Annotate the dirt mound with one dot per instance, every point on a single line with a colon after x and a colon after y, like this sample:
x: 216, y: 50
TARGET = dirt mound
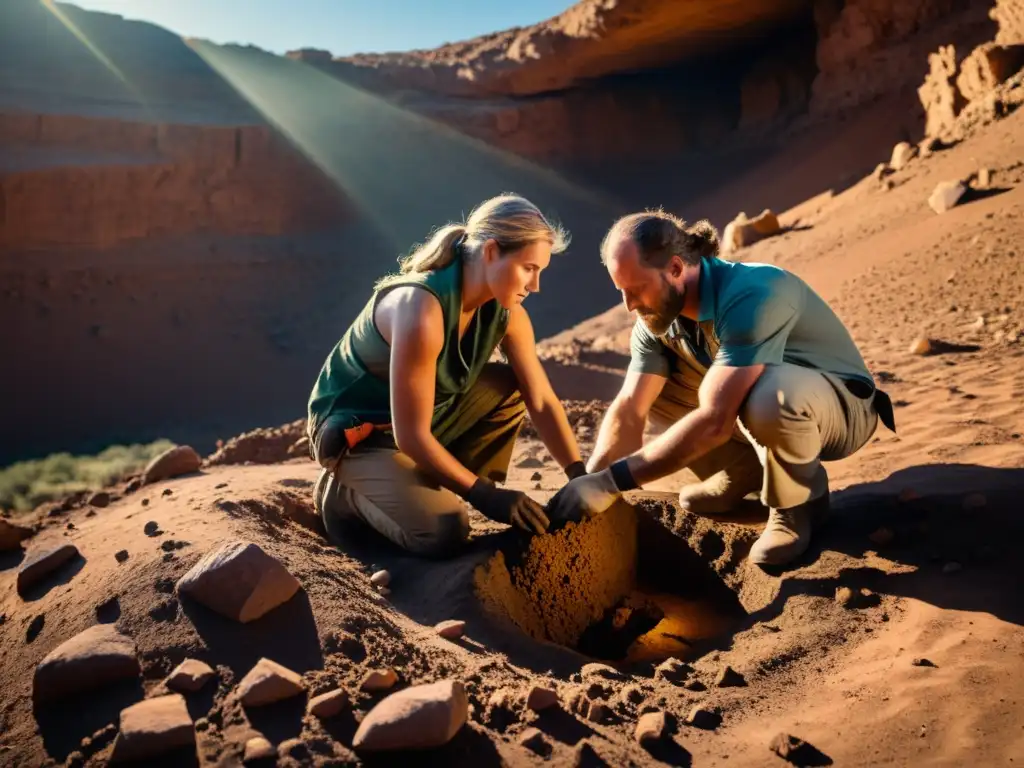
x: 269, y: 445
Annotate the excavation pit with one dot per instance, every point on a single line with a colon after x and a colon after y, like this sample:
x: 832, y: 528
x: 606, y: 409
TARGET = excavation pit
x: 619, y: 587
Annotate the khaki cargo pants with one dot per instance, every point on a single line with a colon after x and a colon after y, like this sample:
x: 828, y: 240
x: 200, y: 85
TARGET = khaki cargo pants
x: 382, y: 487
x: 794, y: 419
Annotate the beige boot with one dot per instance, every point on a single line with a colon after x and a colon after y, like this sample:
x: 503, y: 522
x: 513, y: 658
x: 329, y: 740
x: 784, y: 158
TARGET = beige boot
x: 788, y: 532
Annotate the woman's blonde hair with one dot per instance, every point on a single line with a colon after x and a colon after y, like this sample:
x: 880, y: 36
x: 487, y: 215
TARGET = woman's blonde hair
x: 510, y: 220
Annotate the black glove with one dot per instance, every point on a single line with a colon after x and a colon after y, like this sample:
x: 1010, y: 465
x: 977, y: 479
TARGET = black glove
x: 576, y: 469
x: 507, y: 506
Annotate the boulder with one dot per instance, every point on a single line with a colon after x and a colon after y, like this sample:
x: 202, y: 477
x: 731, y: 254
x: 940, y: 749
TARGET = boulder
x: 40, y: 564
x: 98, y: 656
x: 239, y: 580
x: 189, y: 676
x: 268, y: 682
x: 902, y: 154
x: 328, y: 704
x: 153, y: 727
x: 539, y: 698
x: 176, y: 461
x: 12, y: 534
x: 99, y: 499
x: 946, y: 195
x: 742, y: 231
x: 420, y: 717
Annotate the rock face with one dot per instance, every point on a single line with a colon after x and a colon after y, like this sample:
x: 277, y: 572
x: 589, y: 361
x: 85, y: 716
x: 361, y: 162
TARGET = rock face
x: 268, y: 682
x: 179, y: 460
x: 239, y: 580
x: 40, y: 564
x: 93, y: 658
x: 419, y: 717
x: 153, y: 727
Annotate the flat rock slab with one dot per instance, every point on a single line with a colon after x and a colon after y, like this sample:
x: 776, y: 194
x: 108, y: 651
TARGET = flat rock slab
x: 12, y: 534
x: 153, y: 727
x: 268, y: 682
x: 172, y: 463
x: 98, y: 656
x: 41, y: 564
x: 420, y: 717
x: 189, y: 676
x: 239, y: 580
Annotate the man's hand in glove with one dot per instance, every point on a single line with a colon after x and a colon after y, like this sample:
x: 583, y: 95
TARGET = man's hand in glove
x: 591, y: 494
x: 507, y: 506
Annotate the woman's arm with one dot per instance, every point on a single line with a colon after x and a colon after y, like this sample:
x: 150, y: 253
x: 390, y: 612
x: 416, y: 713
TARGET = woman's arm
x: 545, y: 408
x: 415, y: 328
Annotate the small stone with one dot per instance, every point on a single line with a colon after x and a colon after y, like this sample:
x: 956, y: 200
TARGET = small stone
x: 152, y: 528
x: 922, y: 662
x: 974, y: 501
x: 952, y: 567
x: 703, y: 718
x: 11, y: 535
x: 844, y: 596
x: 153, y: 727
x: 329, y: 704
x: 451, y: 629
x: 600, y: 670
x: 379, y: 680
x: 189, y: 676
x: 921, y: 346
x: 730, y: 678
x: 880, y: 172
x: 650, y: 728
x: 35, y: 627
x: 796, y: 751
x: 41, y: 564
x: 70, y: 526
x: 882, y: 536
x: 984, y: 180
x: 536, y: 477
x: 534, y: 741
x: 171, y: 463
x: 268, y: 682
x: 99, y: 499
x: 419, y: 717
x: 673, y: 670
x: 380, y: 579
x: 946, y: 195
x: 167, y: 492
x: 902, y: 154
x: 239, y: 580
x: 144, y: 502
x: 599, y: 712
x: 540, y: 698
x: 258, y: 748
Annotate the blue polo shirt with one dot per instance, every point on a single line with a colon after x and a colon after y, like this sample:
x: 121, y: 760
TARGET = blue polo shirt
x: 752, y: 314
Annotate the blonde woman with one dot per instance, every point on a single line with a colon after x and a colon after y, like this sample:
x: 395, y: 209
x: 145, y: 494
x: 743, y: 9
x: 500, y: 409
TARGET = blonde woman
x: 408, y: 417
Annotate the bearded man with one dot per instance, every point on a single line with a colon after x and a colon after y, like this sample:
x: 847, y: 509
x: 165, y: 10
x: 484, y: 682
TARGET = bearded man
x: 751, y: 377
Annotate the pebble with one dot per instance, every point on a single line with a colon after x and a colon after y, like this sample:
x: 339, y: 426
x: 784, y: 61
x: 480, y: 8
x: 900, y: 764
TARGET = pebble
x: 99, y: 499
x: 922, y: 662
x: 599, y: 712
x: 536, y: 477
x: 329, y: 704
x: 380, y: 579
x: 379, y: 680
x: 920, y: 346
x: 419, y: 717
x: 35, y: 627
x: 650, y: 728
x: 946, y: 195
x: 794, y: 750
x: 702, y: 718
x: 268, y: 682
x: 239, y: 580
x: 730, y: 678
x: 189, y: 676
x: 41, y: 564
x: 152, y: 528
x: 534, y: 740
x: 540, y: 698
x: 258, y: 748
x: 844, y: 596
x: 153, y: 727
x: 451, y: 629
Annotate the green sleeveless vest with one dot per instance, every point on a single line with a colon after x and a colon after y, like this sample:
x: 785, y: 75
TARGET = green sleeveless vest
x: 353, y: 384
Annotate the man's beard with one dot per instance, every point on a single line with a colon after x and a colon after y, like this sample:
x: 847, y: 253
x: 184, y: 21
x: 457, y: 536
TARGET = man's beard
x: 658, y: 319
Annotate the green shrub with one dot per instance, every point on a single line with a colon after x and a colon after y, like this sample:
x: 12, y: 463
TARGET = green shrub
x: 29, y: 483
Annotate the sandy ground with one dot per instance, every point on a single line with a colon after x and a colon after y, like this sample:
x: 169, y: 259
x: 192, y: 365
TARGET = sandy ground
x: 940, y: 585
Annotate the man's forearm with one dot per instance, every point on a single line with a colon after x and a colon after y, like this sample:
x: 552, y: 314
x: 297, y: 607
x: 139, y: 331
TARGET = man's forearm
x: 620, y: 435
x: 688, y: 439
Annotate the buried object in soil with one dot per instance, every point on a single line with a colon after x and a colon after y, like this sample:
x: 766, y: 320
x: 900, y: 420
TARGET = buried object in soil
x: 617, y: 586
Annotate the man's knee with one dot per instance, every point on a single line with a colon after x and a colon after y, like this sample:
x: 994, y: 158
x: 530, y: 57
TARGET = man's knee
x: 446, y: 534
